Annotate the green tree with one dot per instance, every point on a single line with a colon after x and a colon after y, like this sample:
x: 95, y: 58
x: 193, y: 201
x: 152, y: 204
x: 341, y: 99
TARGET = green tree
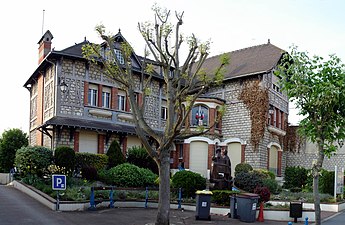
x: 317, y: 86
x: 139, y: 157
x: 10, y: 141
x: 183, y: 81
x: 115, y: 155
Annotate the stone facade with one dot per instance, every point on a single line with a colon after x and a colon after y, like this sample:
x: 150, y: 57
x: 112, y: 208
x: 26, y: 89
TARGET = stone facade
x: 82, y: 106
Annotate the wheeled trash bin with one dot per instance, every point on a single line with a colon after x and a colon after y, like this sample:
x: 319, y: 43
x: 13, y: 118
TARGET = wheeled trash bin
x: 246, y: 207
x: 203, y: 205
x: 233, y: 207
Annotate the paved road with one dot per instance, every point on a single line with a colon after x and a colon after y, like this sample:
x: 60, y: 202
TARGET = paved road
x: 16, y: 208
x: 337, y: 219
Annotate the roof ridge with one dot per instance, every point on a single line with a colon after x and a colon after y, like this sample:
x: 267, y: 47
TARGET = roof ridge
x: 246, y: 48
x: 254, y: 46
x: 75, y: 44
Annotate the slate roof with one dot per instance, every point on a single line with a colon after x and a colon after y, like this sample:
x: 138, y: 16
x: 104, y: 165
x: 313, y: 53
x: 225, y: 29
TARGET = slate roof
x: 75, y: 50
x: 247, y: 61
x: 89, y: 124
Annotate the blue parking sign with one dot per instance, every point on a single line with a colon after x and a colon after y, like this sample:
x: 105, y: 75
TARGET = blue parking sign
x: 59, y: 182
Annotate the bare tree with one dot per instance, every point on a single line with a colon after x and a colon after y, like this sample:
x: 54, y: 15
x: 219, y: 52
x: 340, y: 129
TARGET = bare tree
x: 184, y: 82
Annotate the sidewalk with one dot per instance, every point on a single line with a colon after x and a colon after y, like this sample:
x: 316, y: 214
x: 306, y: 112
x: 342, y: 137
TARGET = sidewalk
x: 141, y: 216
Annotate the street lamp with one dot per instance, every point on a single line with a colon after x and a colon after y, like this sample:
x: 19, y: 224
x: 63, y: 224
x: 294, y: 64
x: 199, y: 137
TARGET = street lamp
x: 63, y: 86
x: 271, y: 110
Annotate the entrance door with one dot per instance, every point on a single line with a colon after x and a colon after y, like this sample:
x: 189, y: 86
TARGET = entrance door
x: 234, y: 153
x: 198, y: 157
x: 273, y: 159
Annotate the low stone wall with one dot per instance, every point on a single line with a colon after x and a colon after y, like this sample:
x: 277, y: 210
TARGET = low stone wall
x: 269, y: 214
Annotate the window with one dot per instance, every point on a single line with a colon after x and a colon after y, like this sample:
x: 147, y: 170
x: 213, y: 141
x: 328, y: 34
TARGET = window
x: 218, y: 123
x: 119, y: 56
x: 164, y: 110
x: 92, y: 95
x: 199, y: 116
x: 106, y: 96
x: 180, y: 151
x: 121, y: 101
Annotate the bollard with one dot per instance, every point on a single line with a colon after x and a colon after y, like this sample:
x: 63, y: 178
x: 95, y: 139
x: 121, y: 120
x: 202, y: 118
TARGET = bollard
x: 111, y: 198
x: 146, y: 196
x: 92, y: 199
x: 179, y: 198
x: 306, y: 221
x: 289, y: 223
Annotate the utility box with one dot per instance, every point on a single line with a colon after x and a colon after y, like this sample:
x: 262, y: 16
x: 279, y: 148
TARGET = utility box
x: 296, y: 210
x: 246, y: 207
x: 203, y: 205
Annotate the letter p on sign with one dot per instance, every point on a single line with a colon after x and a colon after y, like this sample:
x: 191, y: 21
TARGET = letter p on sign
x: 59, y: 182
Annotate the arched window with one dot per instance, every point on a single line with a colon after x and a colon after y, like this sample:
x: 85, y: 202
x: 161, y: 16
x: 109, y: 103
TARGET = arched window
x: 199, y: 116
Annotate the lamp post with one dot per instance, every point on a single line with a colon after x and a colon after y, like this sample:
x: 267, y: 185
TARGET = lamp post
x: 63, y: 86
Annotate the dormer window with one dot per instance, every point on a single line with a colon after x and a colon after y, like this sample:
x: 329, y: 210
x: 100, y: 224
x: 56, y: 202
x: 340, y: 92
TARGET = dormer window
x: 119, y: 56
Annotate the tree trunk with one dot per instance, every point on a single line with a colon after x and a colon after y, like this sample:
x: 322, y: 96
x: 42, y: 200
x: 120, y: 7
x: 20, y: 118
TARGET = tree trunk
x: 316, y: 199
x: 316, y: 173
x: 164, y: 191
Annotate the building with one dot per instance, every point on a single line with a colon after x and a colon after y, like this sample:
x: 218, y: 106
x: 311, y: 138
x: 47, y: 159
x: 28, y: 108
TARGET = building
x: 72, y: 103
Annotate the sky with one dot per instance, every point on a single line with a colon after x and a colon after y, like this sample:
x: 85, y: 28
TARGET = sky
x: 316, y: 26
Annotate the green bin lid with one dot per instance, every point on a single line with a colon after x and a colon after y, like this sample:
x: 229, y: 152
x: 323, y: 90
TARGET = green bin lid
x: 204, y: 192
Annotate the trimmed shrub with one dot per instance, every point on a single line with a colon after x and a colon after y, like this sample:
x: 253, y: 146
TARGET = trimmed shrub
x: 10, y: 141
x: 84, y: 159
x: 222, y: 197
x: 268, y: 174
x: 326, y: 182
x: 139, y: 157
x: 243, y: 167
x: 129, y: 175
x: 33, y: 160
x: 272, y: 185
x: 115, y: 155
x: 105, y: 176
x: 295, y: 176
x: 89, y: 173
x: 263, y: 192
x: 248, y: 181
x: 189, y: 181
x: 65, y: 157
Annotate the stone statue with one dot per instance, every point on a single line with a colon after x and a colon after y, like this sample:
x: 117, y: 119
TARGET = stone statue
x: 221, y: 170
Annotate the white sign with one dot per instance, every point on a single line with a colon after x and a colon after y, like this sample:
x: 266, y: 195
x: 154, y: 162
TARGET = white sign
x: 59, y: 182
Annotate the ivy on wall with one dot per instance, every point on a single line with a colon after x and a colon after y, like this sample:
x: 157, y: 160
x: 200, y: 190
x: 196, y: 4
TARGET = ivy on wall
x: 292, y: 140
x: 255, y: 97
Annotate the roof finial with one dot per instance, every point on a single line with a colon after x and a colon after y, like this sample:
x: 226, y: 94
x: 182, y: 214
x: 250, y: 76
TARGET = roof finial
x: 85, y: 39
x: 119, y: 30
x: 269, y: 41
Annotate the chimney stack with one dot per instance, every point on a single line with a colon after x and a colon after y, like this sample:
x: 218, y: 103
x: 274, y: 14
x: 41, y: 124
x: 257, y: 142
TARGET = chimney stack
x: 45, y: 45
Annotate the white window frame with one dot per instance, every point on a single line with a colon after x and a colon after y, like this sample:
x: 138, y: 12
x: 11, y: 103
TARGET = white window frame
x: 106, y: 97
x: 164, y: 112
x: 119, y: 56
x: 93, y: 95
x: 121, y: 100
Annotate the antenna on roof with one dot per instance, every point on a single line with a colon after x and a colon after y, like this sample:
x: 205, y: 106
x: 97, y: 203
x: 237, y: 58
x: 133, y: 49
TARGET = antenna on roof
x: 43, y: 21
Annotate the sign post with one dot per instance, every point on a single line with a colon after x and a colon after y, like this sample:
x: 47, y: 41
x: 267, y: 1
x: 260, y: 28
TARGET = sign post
x: 58, y: 183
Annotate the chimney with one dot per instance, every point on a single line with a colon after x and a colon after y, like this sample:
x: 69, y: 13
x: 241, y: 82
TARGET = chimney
x: 45, y: 45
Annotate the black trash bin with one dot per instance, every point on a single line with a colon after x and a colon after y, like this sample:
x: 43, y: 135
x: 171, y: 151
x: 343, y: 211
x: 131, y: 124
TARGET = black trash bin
x: 203, y: 205
x: 296, y: 210
x: 246, y: 207
x: 233, y: 207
